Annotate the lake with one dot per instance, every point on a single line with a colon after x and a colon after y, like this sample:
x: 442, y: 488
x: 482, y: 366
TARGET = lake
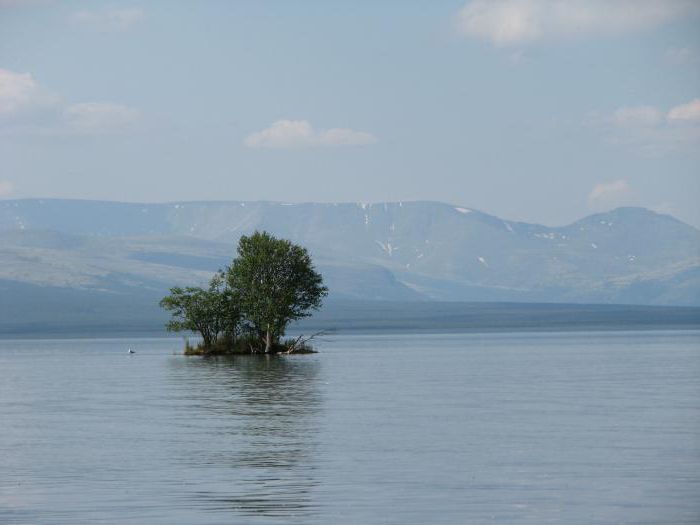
x: 524, y: 428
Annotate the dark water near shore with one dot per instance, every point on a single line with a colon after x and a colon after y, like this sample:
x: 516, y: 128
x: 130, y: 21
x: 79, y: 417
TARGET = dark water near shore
x: 428, y: 428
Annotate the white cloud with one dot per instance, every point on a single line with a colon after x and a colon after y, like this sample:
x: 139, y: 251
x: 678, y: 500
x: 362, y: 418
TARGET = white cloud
x: 6, y: 188
x: 686, y: 112
x: 110, y: 19
x: 639, y: 116
x: 290, y: 134
x: 16, y: 91
x: 608, y: 194
x: 27, y: 108
x: 653, y: 131
x: 98, y: 117
x: 344, y: 137
x: 19, y: 93
x: 282, y: 134
x: 512, y: 22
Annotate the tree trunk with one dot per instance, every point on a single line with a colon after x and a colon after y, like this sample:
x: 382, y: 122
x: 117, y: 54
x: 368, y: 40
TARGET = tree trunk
x: 268, y: 340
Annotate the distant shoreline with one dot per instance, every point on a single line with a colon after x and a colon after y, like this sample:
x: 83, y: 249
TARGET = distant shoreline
x: 386, y: 317
x: 127, y: 335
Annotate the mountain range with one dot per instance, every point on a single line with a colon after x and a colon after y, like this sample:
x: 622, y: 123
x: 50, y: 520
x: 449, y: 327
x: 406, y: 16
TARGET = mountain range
x: 129, y: 254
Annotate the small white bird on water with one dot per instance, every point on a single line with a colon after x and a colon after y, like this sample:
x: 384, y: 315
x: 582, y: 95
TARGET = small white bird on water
x: 131, y: 351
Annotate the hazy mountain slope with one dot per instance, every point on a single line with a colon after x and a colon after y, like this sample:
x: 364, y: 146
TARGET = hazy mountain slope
x: 411, y: 250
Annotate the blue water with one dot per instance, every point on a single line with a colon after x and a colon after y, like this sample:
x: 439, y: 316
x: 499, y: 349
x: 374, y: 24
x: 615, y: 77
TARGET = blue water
x: 499, y: 428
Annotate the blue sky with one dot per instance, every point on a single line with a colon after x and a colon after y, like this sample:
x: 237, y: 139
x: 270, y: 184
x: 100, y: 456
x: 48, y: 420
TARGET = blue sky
x: 536, y: 110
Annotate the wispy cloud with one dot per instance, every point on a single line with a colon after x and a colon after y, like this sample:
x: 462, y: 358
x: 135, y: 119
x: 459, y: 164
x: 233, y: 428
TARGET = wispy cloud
x: 681, y: 56
x: 25, y: 106
x: 99, y: 117
x: 665, y: 207
x: 514, y: 22
x: 654, y: 131
x: 607, y: 195
x: 291, y: 134
x: 107, y: 20
x: 638, y: 116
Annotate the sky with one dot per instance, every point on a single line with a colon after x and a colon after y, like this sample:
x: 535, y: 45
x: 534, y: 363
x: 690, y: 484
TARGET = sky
x: 534, y: 110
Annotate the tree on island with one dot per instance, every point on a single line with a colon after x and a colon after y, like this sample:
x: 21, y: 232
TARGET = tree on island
x: 275, y: 283
x: 249, y: 305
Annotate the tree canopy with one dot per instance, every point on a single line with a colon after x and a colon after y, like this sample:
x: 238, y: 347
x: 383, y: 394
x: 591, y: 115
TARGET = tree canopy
x: 211, y: 312
x: 270, y: 283
x: 275, y: 283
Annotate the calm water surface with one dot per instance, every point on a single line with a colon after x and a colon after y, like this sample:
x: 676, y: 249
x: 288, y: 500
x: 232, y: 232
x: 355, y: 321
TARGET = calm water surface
x: 501, y: 428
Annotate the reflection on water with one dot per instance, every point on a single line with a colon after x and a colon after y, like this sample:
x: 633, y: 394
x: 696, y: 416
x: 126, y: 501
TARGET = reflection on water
x: 259, y: 416
x: 400, y: 430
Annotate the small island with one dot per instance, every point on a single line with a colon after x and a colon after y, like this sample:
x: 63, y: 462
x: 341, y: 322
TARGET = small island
x: 248, y: 306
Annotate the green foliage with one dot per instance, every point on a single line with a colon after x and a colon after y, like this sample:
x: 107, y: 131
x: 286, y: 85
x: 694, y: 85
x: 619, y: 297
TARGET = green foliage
x: 225, y: 301
x: 275, y: 283
x: 209, y: 312
x: 248, y: 307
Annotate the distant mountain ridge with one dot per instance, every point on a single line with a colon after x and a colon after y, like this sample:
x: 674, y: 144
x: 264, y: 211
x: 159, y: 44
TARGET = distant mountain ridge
x: 388, y: 251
